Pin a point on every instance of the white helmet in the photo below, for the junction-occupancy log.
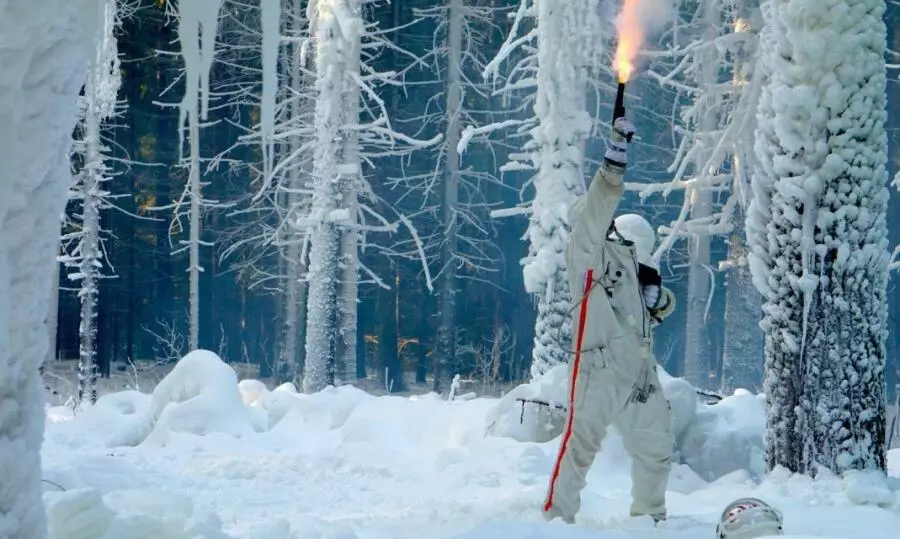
(634, 228)
(749, 518)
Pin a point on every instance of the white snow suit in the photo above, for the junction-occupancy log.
(613, 379)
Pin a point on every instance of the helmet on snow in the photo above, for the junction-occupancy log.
(749, 518)
(634, 228)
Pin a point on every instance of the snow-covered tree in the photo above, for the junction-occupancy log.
(337, 29)
(265, 244)
(38, 100)
(709, 64)
(454, 205)
(563, 43)
(343, 140)
(286, 219)
(197, 26)
(742, 350)
(84, 255)
(817, 232)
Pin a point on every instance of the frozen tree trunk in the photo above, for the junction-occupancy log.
(194, 238)
(446, 339)
(697, 353)
(345, 362)
(197, 49)
(99, 104)
(742, 359)
(295, 286)
(89, 267)
(45, 47)
(818, 235)
(337, 33)
(742, 354)
(351, 171)
(697, 356)
(53, 313)
(563, 128)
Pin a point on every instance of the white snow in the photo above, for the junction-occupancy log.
(341, 463)
(44, 51)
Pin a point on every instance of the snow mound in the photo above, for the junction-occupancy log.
(534, 423)
(323, 411)
(131, 514)
(726, 437)
(107, 421)
(273, 404)
(199, 397)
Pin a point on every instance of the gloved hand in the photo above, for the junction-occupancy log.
(617, 152)
(651, 295)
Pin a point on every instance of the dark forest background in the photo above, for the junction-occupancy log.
(146, 295)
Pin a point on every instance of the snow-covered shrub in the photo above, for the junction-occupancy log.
(200, 396)
(538, 423)
(726, 437)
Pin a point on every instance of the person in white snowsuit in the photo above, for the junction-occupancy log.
(613, 378)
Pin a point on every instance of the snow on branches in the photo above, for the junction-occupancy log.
(551, 49)
(81, 242)
(818, 235)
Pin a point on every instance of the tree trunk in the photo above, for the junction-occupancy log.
(90, 263)
(333, 49)
(391, 373)
(295, 286)
(39, 116)
(699, 362)
(818, 236)
(194, 238)
(445, 360)
(345, 362)
(742, 358)
(53, 313)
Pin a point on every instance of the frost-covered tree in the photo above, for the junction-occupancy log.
(197, 27)
(337, 28)
(707, 61)
(560, 42)
(292, 93)
(817, 232)
(350, 125)
(84, 249)
(454, 207)
(742, 351)
(38, 103)
(265, 245)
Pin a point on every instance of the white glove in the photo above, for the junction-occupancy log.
(651, 295)
(617, 152)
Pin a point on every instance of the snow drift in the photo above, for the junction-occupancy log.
(200, 396)
(341, 463)
(131, 514)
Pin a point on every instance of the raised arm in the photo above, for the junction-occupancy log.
(592, 214)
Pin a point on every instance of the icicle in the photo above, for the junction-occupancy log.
(271, 17)
(198, 51)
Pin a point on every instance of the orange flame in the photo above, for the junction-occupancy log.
(631, 34)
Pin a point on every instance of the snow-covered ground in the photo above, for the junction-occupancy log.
(206, 456)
